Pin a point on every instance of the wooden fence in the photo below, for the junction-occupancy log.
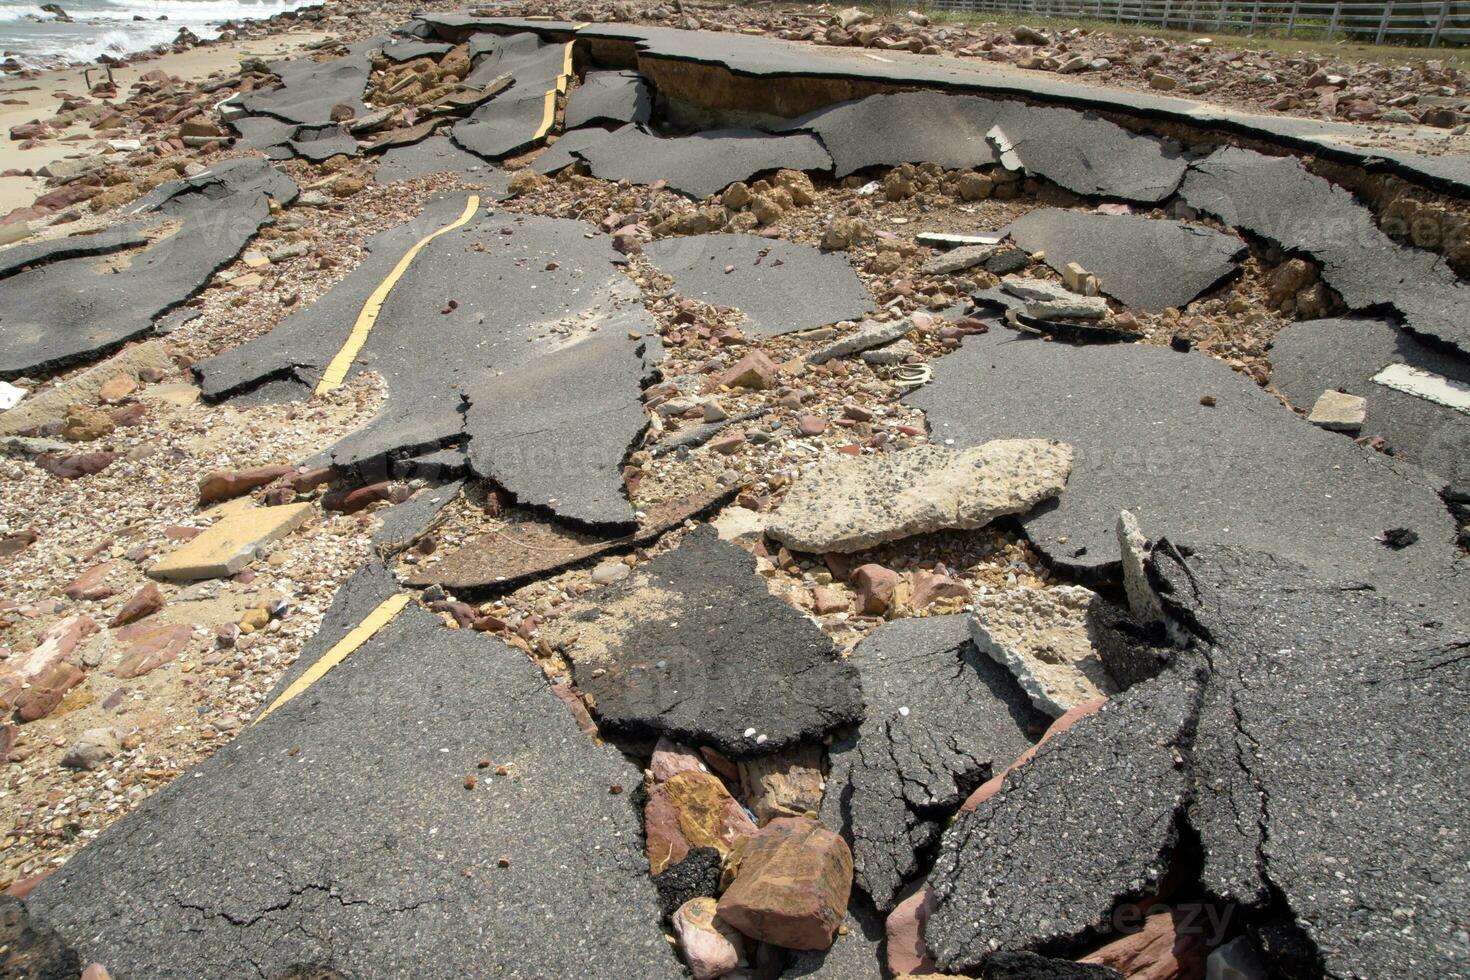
(1421, 23)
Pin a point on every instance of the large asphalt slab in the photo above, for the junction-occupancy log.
(915, 127)
(703, 163)
(1278, 199)
(65, 310)
(608, 97)
(31, 254)
(780, 286)
(1244, 471)
(339, 834)
(567, 150)
(310, 90)
(1314, 356)
(503, 363)
(1088, 155)
(1144, 263)
(693, 647)
(1089, 822)
(1339, 729)
(437, 155)
(941, 719)
(511, 121)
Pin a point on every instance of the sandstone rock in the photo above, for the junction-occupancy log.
(907, 953)
(930, 587)
(46, 691)
(94, 748)
(787, 784)
(150, 647)
(352, 501)
(76, 465)
(609, 572)
(1338, 411)
(1044, 637)
(55, 646)
(709, 946)
(798, 185)
(876, 587)
(1158, 951)
(227, 485)
(826, 601)
(145, 602)
(849, 503)
(736, 196)
(974, 187)
(117, 388)
(92, 585)
(670, 758)
(842, 233)
(791, 882)
(86, 424)
(688, 810)
(1162, 82)
(754, 370)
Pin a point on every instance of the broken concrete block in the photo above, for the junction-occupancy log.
(958, 260)
(869, 334)
(1143, 601)
(1044, 637)
(849, 503)
(1048, 300)
(1338, 411)
(232, 543)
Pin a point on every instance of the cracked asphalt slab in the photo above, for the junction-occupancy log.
(703, 163)
(1313, 356)
(779, 286)
(64, 310)
(917, 127)
(941, 718)
(615, 97)
(522, 115)
(310, 89)
(487, 334)
(339, 834)
(439, 154)
(1148, 264)
(1278, 199)
(31, 254)
(1089, 822)
(1243, 470)
(672, 649)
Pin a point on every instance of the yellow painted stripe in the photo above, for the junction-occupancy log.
(336, 371)
(361, 633)
(548, 109)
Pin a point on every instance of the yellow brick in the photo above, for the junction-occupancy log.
(231, 544)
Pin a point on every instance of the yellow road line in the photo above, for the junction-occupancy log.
(336, 371)
(548, 110)
(361, 633)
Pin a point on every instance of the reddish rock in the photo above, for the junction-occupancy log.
(907, 951)
(670, 758)
(728, 445)
(182, 532)
(352, 501)
(96, 971)
(576, 707)
(308, 480)
(29, 131)
(86, 424)
(811, 425)
(791, 884)
(1158, 951)
(132, 413)
(74, 465)
(691, 809)
(992, 786)
(25, 886)
(145, 602)
(16, 542)
(56, 644)
(92, 585)
(754, 370)
(225, 485)
(875, 586)
(46, 691)
(825, 601)
(117, 388)
(200, 127)
(150, 648)
(463, 613)
(938, 584)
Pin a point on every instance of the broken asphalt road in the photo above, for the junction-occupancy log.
(524, 114)
(342, 833)
(779, 286)
(692, 646)
(310, 90)
(63, 310)
(460, 322)
(1196, 451)
(615, 97)
(700, 164)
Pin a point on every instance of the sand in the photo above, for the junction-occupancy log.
(40, 97)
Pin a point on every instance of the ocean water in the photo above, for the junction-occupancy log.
(108, 26)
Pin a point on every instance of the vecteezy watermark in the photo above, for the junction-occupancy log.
(1205, 919)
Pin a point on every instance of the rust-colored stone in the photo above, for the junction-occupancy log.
(791, 883)
(691, 809)
(227, 485)
(145, 602)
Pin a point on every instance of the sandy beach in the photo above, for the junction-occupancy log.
(38, 98)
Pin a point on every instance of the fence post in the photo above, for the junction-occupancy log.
(1255, 15)
(1383, 21)
(1444, 13)
(1165, 24)
(1193, 7)
(1291, 20)
(1337, 12)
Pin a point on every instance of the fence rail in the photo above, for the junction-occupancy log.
(1430, 23)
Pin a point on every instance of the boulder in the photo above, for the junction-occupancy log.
(689, 810)
(791, 882)
(851, 503)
